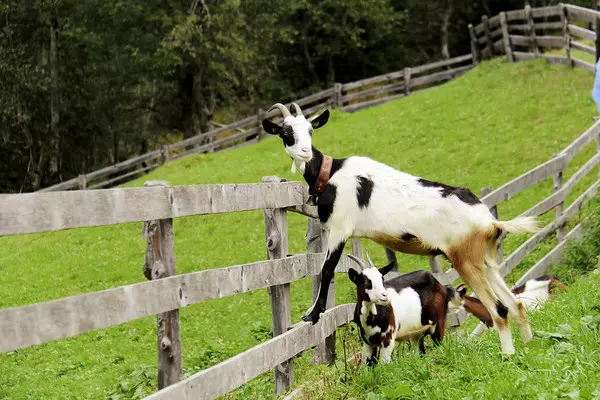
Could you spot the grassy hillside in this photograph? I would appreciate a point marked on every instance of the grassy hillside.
(563, 361)
(484, 128)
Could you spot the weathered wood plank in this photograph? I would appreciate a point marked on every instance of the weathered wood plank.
(315, 108)
(160, 263)
(203, 136)
(523, 56)
(443, 63)
(553, 257)
(66, 185)
(584, 64)
(531, 244)
(543, 41)
(440, 76)
(532, 33)
(556, 59)
(506, 38)
(515, 15)
(474, 46)
(109, 182)
(373, 91)
(586, 49)
(373, 80)
(585, 14)
(539, 26)
(581, 32)
(317, 97)
(529, 178)
(216, 144)
(276, 227)
(499, 46)
(543, 12)
(488, 36)
(371, 103)
(448, 277)
(479, 28)
(494, 21)
(316, 242)
(551, 201)
(578, 144)
(40, 323)
(234, 372)
(39, 212)
(565, 20)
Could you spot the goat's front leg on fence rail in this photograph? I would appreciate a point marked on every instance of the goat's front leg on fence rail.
(327, 271)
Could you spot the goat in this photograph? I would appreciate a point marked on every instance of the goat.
(360, 197)
(406, 308)
(532, 294)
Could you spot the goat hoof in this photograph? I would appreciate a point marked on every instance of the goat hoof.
(312, 316)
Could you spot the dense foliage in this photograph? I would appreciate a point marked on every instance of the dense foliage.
(88, 83)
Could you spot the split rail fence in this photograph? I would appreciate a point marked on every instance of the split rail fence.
(346, 97)
(158, 204)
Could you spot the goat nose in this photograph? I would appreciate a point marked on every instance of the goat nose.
(305, 149)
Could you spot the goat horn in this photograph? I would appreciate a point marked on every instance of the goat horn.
(284, 111)
(296, 107)
(369, 259)
(357, 260)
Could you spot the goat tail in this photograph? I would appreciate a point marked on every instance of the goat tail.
(519, 225)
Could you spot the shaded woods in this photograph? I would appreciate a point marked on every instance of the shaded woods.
(85, 84)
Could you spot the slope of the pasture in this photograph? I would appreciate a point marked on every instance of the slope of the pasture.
(484, 128)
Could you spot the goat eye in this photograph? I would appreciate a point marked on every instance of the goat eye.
(287, 130)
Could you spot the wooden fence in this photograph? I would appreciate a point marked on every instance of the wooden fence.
(346, 97)
(529, 33)
(157, 204)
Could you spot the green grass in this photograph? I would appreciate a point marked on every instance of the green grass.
(563, 361)
(484, 128)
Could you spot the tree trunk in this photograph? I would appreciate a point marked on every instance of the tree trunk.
(54, 139)
(445, 52)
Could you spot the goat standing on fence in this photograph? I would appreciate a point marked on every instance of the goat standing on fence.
(360, 197)
(406, 308)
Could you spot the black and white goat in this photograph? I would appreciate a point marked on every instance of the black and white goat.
(406, 308)
(360, 197)
(532, 294)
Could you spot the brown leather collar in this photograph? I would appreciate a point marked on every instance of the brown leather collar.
(324, 173)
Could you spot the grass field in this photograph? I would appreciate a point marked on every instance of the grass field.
(484, 128)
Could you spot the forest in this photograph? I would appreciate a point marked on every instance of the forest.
(85, 84)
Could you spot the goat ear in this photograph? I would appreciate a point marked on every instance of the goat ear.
(271, 127)
(354, 276)
(387, 268)
(320, 120)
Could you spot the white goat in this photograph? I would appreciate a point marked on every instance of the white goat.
(360, 197)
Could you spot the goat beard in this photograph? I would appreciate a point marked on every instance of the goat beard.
(298, 166)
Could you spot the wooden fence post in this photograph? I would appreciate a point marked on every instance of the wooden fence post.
(494, 210)
(316, 242)
(488, 36)
(532, 34)
(337, 95)
(435, 264)
(407, 73)
(506, 38)
(160, 263)
(164, 154)
(82, 182)
(357, 249)
(560, 207)
(474, 45)
(260, 115)
(597, 43)
(276, 225)
(565, 21)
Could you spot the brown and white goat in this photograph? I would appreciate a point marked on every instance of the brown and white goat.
(532, 294)
(406, 308)
(360, 197)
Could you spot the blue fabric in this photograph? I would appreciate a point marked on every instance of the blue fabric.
(596, 89)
